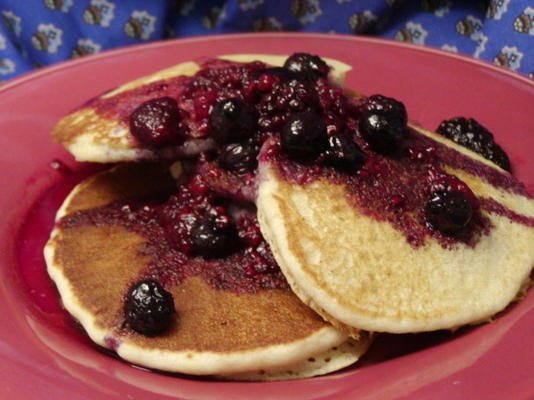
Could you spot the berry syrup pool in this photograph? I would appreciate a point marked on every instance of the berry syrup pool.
(32, 236)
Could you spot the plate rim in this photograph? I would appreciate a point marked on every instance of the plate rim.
(70, 63)
(42, 73)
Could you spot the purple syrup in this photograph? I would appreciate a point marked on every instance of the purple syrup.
(276, 97)
(34, 233)
(457, 160)
(195, 95)
(492, 206)
(167, 229)
(46, 304)
(397, 185)
(112, 343)
(392, 189)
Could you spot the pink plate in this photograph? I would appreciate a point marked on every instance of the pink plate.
(43, 355)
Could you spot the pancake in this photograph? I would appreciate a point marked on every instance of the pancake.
(90, 134)
(215, 332)
(334, 359)
(357, 270)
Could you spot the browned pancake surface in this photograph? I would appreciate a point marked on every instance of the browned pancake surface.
(100, 262)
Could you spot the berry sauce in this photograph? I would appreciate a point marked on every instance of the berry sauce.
(167, 225)
(196, 95)
(275, 93)
(396, 188)
(311, 129)
(392, 189)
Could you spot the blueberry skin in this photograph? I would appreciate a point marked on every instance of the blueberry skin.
(149, 308)
(307, 66)
(448, 211)
(344, 154)
(304, 137)
(382, 130)
(378, 102)
(239, 157)
(232, 120)
(213, 241)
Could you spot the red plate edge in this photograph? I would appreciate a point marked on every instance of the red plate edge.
(344, 385)
(163, 43)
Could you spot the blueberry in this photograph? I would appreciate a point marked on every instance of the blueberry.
(239, 157)
(377, 102)
(448, 211)
(232, 120)
(382, 130)
(281, 73)
(304, 137)
(149, 308)
(211, 240)
(343, 153)
(469, 133)
(157, 122)
(307, 66)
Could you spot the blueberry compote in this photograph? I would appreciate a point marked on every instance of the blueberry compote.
(294, 117)
(194, 232)
(241, 95)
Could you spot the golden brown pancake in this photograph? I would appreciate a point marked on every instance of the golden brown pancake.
(357, 271)
(215, 331)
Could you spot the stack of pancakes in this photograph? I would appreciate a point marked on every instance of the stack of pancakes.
(348, 272)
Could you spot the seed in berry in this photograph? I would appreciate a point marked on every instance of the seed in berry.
(232, 120)
(469, 133)
(149, 308)
(213, 240)
(307, 66)
(382, 130)
(266, 82)
(239, 157)
(448, 211)
(343, 153)
(157, 122)
(378, 102)
(304, 136)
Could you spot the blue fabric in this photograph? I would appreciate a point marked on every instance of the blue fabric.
(34, 33)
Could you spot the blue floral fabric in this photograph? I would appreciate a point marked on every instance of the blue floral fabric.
(34, 33)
